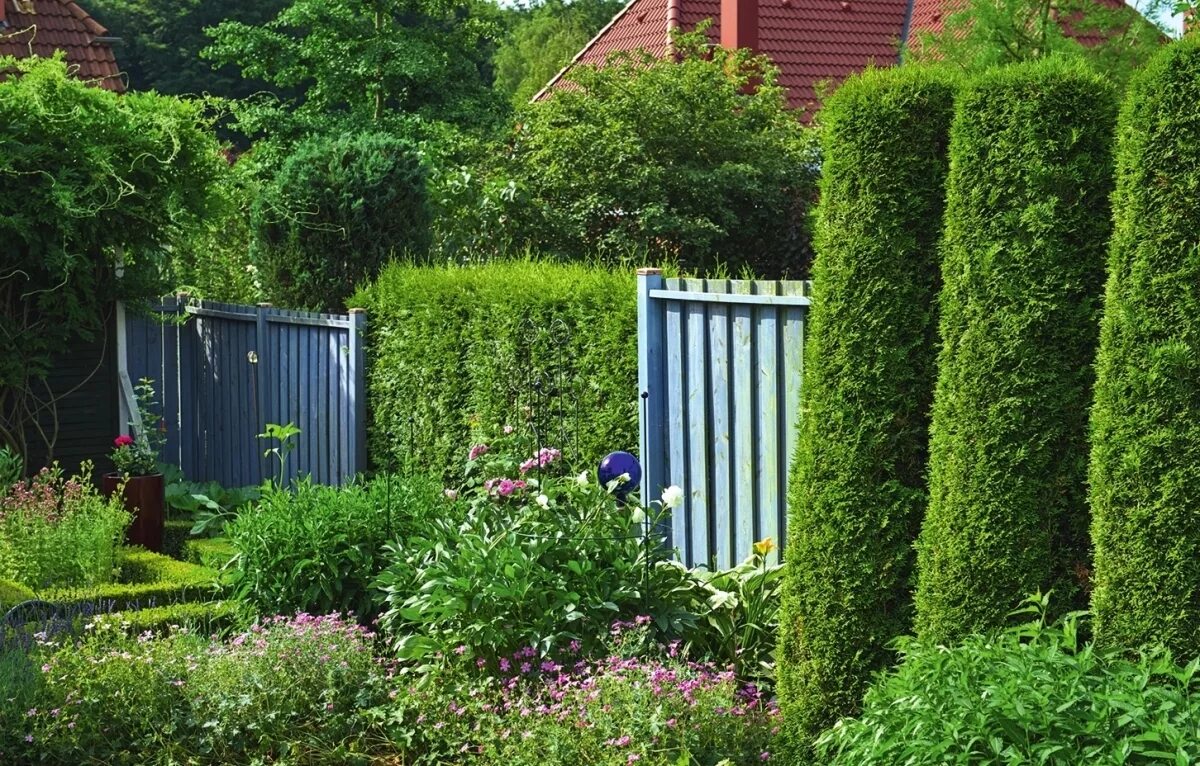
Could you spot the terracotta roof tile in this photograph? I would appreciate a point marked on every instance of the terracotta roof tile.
(58, 25)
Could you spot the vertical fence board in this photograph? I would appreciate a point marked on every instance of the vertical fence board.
(698, 424)
(742, 361)
(677, 426)
(721, 429)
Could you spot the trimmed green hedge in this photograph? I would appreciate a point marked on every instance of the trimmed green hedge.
(1145, 469)
(203, 617)
(1027, 225)
(11, 594)
(175, 535)
(453, 346)
(146, 578)
(858, 478)
(211, 552)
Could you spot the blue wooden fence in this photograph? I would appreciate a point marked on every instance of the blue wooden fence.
(223, 371)
(719, 368)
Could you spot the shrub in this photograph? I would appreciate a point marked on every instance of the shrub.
(1031, 694)
(13, 593)
(287, 689)
(541, 560)
(1146, 420)
(858, 477)
(1027, 221)
(145, 579)
(694, 158)
(333, 215)
(453, 346)
(214, 552)
(203, 618)
(317, 548)
(60, 532)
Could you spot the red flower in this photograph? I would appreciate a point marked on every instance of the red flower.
(124, 440)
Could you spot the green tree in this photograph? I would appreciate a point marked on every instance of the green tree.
(695, 159)
(1145, 463)
(1027, 224)
(1116, 39)
(359, 64)
(858, 479)
(544, 40)
(94, 187)
(334, 214)
(162, 40)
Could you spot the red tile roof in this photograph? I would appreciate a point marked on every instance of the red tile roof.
(813, 42)
(41, 27)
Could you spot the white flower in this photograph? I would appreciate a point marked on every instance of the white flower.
(543, 501)
(638, 516)
(582, 479)
(451, 494)
(672, 497)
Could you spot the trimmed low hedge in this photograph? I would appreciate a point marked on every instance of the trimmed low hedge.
(13, 593)
(1145, 461)
(858, 480)
(1027, 226)
(214, 552)
(204, 617)
(175, 535)
(146, 579)
(451, 347)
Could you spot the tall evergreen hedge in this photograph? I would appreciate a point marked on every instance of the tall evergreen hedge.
(1027, 225)
(451, 348)
(858, 478)
(1145, 469)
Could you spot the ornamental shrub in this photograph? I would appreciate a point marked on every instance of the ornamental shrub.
(858, 478)
(1027, 223)
(1032, 694)
(455, 346)
(315, 548)
(332, 216)
(1145, 465)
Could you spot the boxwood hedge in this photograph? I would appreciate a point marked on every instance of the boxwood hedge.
(858, 479)
(1027, 225)
(1145, 462)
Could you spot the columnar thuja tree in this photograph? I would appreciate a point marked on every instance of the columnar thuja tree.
(858, 486)
(1145, 467)
(1027, 225)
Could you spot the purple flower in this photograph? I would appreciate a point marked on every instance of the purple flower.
(505, 487)
(476, 451)
(764, 756)
(526, 667)
(460, 650)
(505, 665)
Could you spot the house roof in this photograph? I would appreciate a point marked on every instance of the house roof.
(42, 27)
(813, 42)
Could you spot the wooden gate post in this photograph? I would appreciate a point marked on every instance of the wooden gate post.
(652, 388)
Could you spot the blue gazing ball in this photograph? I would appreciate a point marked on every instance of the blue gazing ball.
(616, 463)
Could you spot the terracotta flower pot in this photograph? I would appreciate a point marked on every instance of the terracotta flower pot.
(143, 497)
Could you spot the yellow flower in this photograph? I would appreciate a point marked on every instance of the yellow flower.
(764, 546)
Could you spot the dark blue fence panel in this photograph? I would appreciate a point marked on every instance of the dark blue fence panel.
(224, 371)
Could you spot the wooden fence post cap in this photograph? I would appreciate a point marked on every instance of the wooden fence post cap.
(649, 272)
(358, 311)
(264, 305)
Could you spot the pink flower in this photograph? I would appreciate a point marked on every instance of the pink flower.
(477, 450)
(124, 440)
(506, 487)
(508, 430)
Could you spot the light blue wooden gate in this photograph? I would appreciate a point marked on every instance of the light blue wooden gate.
(223, 371)
(719, 369)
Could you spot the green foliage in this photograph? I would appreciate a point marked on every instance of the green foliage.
(451, 347)
(204, 618)
(317, 549)
(137, 454)
(161, 42)
(87, 178)
(694, 159)
(858, 477)
(12, 593)
(333, 215)
(285, 691)
(1027, 223)
(1116, 39)
(543, 40)
(12, 468)
(360, 63)
(145, 579)
(1032, 694)
(60, 532)
(213, 553)
(1146, 420)
(541, 559)
(175, 535)
(736, 614)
